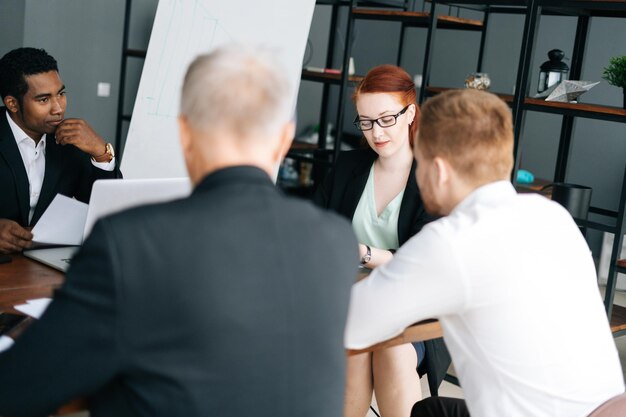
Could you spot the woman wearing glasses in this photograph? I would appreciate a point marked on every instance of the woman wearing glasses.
(376, 189)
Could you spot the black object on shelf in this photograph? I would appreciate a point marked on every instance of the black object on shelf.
(553, 71)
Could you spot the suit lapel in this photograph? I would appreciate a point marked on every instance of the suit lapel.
(51, 177)
(357, 183)
(408, 206)
(11, 154)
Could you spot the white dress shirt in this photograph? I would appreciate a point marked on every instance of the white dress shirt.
(34, 158)
(513, 283)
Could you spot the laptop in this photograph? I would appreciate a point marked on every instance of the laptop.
(112, 196)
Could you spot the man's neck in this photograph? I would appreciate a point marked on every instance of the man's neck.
(17, 127)
(208, 167)
(462, 190)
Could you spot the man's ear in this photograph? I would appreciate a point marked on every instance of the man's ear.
(184, 133)
(442, 171)
(11, 104)
(286, 138)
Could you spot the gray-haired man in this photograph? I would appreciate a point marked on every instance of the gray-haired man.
(231, 302)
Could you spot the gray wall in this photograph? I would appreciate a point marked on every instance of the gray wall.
(86, 39)
(11, 24)
(85, 36)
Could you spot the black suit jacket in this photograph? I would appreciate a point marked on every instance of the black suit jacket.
(231, 302)
(342, 188)
(69, 171)
(341, 191)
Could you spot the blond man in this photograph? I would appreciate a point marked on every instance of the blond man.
(509, 276)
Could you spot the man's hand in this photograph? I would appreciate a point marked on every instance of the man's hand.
(19, 328)
(13, 237)
(77, 132)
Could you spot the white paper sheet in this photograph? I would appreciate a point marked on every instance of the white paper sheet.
(62, 223)
(5, 343)
(34, 308)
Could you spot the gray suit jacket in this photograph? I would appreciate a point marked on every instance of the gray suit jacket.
(231, 302)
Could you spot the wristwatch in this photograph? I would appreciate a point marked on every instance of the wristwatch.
(109, 153)
(368, 255)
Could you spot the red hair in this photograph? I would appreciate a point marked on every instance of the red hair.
(392, 80)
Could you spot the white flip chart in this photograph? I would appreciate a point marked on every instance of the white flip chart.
(184, 29)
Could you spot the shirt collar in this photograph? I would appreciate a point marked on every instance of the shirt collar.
(234, 174)
(492, 192)
(19, 135)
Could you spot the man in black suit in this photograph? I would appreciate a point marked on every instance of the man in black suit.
(231, 302)
(35, 162)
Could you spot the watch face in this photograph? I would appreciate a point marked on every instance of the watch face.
(367, 257)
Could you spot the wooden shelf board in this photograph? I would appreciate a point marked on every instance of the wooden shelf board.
(618, 318)
(584, 109)
(598, 8)
(295, 145)
(418, 19)
(372, 3)
(535, 187)
(328, 78)
(593, 111)
(516, 3)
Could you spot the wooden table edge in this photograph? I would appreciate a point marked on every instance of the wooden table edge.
(418, 332)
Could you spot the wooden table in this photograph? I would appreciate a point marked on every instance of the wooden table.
(24, 279)
(417, 332)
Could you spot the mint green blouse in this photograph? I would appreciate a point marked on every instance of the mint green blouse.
(371, 229)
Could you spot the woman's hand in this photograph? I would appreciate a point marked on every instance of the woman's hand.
(379, 256)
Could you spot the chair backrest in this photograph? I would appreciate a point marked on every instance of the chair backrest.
(615, 407)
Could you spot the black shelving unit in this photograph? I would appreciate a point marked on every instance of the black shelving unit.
(127, 53)
(584, 11)
(487, 8)
(402, 12)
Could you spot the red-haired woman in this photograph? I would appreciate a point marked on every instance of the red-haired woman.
(376, 189)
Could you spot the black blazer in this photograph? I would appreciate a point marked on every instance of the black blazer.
(69, 171)
(231, 302)
(342, 188)
(341, 191)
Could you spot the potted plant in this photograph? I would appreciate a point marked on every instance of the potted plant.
(615, 73)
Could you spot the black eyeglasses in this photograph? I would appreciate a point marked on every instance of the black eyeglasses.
(385, 121)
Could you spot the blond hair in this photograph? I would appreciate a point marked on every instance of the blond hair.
(470, 129)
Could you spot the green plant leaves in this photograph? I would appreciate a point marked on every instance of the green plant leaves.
(615, 73)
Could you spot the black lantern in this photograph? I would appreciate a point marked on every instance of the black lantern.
(553, 71)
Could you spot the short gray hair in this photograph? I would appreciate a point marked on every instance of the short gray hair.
(237, 89)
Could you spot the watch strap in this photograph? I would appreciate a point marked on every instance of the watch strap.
(368, 255)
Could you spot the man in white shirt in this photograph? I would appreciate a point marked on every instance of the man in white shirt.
(509, 276)
(36, 162)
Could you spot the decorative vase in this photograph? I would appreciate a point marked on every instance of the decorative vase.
(624, 91)
(478, 81)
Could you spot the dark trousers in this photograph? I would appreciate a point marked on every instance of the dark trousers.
(440, 407)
